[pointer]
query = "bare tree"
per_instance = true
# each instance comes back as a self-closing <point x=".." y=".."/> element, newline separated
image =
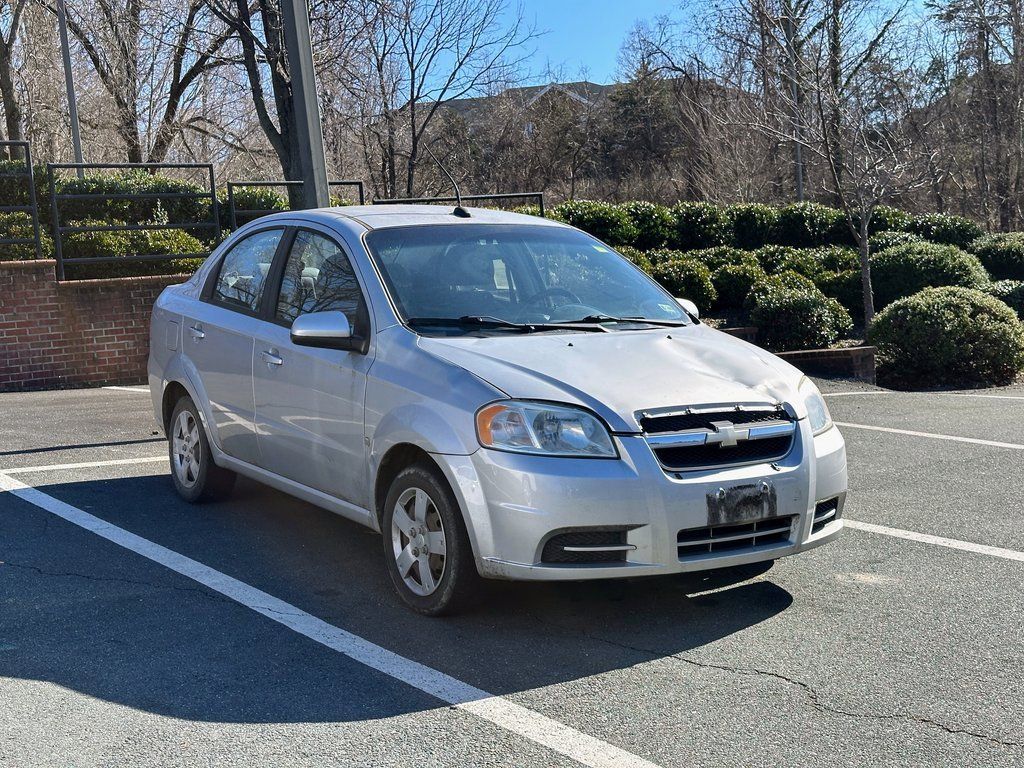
<point x="11" y="14"/>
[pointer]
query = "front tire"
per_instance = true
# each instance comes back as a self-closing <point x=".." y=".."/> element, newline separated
<point x="427" y="551"/>
<point x="196" y="478"/>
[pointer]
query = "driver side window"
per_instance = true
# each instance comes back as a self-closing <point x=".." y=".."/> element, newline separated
<point x="243" y="272"/>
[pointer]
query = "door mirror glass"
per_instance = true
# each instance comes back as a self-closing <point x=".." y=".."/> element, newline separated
<point x="323" y="329"/>
<point x="690" y="307"/>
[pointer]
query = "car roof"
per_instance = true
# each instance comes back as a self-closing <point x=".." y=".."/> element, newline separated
<point x="403" y="215"/>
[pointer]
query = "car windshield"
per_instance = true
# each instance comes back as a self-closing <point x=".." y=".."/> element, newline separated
<point x="485" y="277"/>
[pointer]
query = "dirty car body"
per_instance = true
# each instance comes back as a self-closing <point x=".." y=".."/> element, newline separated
<point x="577" y="420"/>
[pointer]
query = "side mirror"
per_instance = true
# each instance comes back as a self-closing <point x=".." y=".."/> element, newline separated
<point x="690" y="307"/>
<point x="330" y="330"/>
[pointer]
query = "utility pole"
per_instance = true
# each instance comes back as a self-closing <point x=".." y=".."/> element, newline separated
<point x="69" y="82"/>
<point x="794" y="86"/>
<point x="306" y="106"/>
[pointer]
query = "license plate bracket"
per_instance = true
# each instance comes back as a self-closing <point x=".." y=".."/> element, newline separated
<point x="742" y="503"/>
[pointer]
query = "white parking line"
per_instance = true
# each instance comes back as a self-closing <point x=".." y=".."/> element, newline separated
<point x="83" y="465"/>
<point x="576" y="745"/>
<point x="941" y="541"/>
<point x="139" y="390"/>
<point x="933" y="436"/>
<point x="947" y="394"/>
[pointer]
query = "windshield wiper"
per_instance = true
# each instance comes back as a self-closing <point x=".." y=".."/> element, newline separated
<point x="595" y="319"/>
<point x="487" y="321"/>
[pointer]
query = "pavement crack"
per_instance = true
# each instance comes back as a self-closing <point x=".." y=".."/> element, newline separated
<point x="114" y="579"/>
<point x="813" y="695"/>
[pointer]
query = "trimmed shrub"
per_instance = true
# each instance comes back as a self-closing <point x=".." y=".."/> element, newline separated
<point x="887" y="219"/>
<point x="837" y="258"/>
<point x="700" y="225"/>
<point x="808" y="225"/>
<point x="713" y="258"/>
<point x="891" y="238"/>
<point x="605" y="221"/>
<point x="1011" y="293"/>
<point x="845" y="287"/>
<point x="788" y="280"/>
<point x="14" y="187"/>
<point x="18" y="226"/>
<point x="687" y="279"/>
<point x="733" y="282"/>
<point x="903" y="270"/>
<point x="948" y="336"/>
<point x="1002" y="255"/>
<point x="105" y="207"/>
<point x="948" y="230"/>
<point x="527" y="210"/>
<point x="780" y="258"/>
<point x="636" y="256"/>
<point x="654" y="224"/>
<point x="251" y="199"/>
<point x="171" y="242"/>
<point x="791" y="313"/>
<point x="753" y="224"/>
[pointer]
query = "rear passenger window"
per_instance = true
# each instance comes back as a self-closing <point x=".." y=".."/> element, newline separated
<point x="243" y="271"/>
<point x="318" y="278"/>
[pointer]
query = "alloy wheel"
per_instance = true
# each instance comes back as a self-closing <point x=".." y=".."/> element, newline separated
<point x="419" y="542"/>
<point x="187" y="450"/>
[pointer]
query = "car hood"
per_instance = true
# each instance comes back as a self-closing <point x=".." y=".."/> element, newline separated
<point x="621" y="373"/>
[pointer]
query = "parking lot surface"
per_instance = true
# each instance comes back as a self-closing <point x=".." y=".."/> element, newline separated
<point x="138" y="630"/>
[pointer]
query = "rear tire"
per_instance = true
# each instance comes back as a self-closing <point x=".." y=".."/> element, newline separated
<point x="427" y="551"/>
<point x="196" y="478"/>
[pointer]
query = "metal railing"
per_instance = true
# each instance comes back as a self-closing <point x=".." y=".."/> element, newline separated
<point x="537" y="196"/>
<point x="32" y="208"/>
<point x="254" y="213"/>
<point x="59" y="230"/>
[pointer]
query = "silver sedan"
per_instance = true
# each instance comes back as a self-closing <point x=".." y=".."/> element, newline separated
<point x="500" y="396"/>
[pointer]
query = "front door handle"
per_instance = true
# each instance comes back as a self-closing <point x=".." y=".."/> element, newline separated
<point x="197" y="332"/>
<point x="270" y="358"/>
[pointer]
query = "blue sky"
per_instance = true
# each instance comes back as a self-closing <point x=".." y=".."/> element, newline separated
<point x="586" y="34"/>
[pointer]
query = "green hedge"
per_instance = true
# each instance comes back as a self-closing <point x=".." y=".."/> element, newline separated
<point x="948" y="230"/>
<point x="129" y="243"/>
<point x="1011" y="293"/>
<point x="904" y="270"/>
<point x="1002" y="255"/>
<point x="846" y="287"/>
<point x="719" y="256"/>
<point x="102" y="207"/>
<point x="700" y="225"/>
<point x="687" y="279"/>
<point x="807" y="225"/>
<point x="605" y="221"/>
<point x="654" y="225"/>
<point x="948" y="336"/>
<point x="753" y="224"/>
<point x="791" y="313"/>
<point x="637" y="256"/>
<point x="251" y="199"/>
<point x="733" y="283"/>
<point x="18" y="226"/>
<point x="891" y="238"/>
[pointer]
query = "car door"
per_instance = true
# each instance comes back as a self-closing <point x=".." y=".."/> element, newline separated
<point x="309" y="401"/>
<point x="218" y="339"/>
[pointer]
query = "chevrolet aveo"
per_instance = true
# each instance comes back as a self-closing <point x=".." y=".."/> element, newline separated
<point x="501" y="396"/>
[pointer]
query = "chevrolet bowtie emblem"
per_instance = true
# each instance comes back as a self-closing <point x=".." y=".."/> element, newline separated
<point x="726" y="434"/>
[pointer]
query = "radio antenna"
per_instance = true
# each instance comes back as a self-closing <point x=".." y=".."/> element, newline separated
<point x="459" y="210"/>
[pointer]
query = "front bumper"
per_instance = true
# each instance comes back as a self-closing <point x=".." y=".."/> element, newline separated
<point x="513" y="503"/>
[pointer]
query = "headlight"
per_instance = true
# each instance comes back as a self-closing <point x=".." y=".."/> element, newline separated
<point x="817" y="412"/>
<point x="551" y="430"/>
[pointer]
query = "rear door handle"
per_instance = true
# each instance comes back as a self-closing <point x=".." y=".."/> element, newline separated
<point x="197" y="332"/>
<point x="270" y="358"/>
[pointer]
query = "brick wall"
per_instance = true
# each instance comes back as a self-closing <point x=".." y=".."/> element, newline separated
<point x="849" y="363"/>
<point x="85" y="332"/>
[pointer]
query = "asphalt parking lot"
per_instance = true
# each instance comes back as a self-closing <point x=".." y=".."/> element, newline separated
<point x="138" y="630"/>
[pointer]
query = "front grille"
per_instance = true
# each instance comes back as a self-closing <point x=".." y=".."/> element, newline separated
<point x="565" y="547"/>
<point x="677" y="422"/>
<point x="825" y="512"/>
<point x="735" y="538"/>
<point x="747" y="451"/>
<point x="712" y="437"/>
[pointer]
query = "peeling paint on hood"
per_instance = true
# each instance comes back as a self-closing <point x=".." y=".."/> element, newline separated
<point x="620" y="373"/>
